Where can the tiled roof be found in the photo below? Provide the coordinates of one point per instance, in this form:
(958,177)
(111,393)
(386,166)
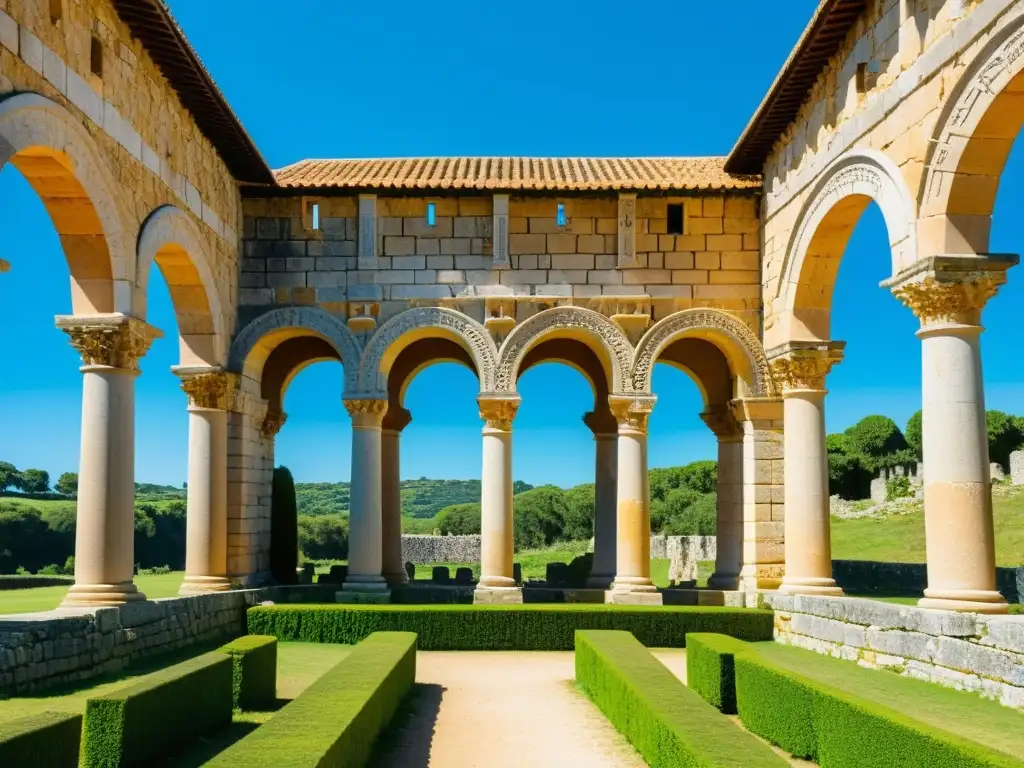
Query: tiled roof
(819,42)
(516,174)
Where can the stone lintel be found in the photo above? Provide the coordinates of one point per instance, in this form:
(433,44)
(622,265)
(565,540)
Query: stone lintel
(757,409)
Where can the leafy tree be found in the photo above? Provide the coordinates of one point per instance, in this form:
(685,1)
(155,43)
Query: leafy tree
(578,524)
(699,518)
(849,472)
(1004,437)
(23,538)
(459,519)
(875,437)
(67,484)
(324,537)
(539,516)
(673,507)
(914,436)
(34,481)
(9,476)
(284,527)
(701,476)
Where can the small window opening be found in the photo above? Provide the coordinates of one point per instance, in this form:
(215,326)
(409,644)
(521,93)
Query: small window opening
(862,77)
(431,214)
(56,10)
(561,214)
(675,218)
(96,57)
(316,215)
(867,75)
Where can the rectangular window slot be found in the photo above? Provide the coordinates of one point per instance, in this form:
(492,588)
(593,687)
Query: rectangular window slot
(316,215)
(96,57)
(56,11)
(675,219)
(561,214)
(431,215)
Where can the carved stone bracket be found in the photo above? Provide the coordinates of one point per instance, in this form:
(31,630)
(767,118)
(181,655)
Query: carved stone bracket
(396,419)
(631,412)
(601,422)
(272,424)
(723,423)
(803,366)
(499,316)
(366,412)
(114,340)
(362,316)
(498,412)
(212,389)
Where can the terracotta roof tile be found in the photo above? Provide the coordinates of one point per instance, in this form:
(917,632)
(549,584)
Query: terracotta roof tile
(517,174)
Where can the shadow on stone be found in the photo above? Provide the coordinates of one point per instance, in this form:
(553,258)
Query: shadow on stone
(406,741)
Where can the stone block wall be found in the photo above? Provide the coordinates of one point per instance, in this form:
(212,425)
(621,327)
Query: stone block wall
(250,484)
(427,549)
(967,651)
(867,577)
(1017,467)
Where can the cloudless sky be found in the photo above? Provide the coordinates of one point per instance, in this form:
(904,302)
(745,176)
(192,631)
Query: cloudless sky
(340,79)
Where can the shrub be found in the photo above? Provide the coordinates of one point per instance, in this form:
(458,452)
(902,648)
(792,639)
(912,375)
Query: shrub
(254,671)
(45,740)
(875,437)
(27,581)
(898,488)
(459,519)
(667,723)
(710,668)
(324,537)
(532,627)
(776,707)
(338,718)
(167,709)
(284,527)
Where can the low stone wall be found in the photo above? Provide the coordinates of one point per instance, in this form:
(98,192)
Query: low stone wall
(426,549)
(960,650)
(868,577)
(44,649)
(684,552)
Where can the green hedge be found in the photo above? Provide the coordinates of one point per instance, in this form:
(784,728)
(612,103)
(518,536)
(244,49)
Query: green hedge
(536,627)
(840,730)
(167,709)
(336,721)
(254,671)
(46,740)
(709,668)
(668,724)
(17,581)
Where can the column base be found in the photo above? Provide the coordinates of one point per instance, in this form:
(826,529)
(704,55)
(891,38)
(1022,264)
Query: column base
(496,582)
(98,595)
(724,581)
(200,585)
(361,583)
(498,595)
(973,600)
(600,581)
(810,586)
(396,579)
(633,584)
(620,597)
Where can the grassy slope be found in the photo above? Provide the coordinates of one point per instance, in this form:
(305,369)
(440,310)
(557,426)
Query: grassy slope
(47,598)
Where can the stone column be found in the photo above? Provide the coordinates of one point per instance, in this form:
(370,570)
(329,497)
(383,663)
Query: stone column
(206,524)
(497,541)
(729,500)
(606,441)
(365,580)
(110,346)
(633,502)
(392,566)
(947,295)
(800,369)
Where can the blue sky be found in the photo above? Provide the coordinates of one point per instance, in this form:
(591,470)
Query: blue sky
(324,79)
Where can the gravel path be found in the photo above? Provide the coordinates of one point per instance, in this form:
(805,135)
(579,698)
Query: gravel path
(498,709)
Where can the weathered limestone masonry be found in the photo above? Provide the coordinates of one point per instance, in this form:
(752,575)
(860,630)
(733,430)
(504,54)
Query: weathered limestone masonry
(960,650)
(424,550)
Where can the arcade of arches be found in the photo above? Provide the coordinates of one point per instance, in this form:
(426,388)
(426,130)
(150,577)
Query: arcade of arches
(722,267)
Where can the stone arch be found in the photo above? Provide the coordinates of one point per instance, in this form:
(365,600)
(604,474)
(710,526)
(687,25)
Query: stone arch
(803,296)
(735,340)
(973,136)
(257,340)
(170,238)
(60,160)
(592,328)
(420,323)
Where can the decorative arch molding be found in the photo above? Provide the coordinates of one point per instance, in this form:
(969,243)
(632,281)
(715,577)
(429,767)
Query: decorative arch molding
(419,323)
(289,322)
(188,273)
(866,173)
(45,131)
(737,342)
(610,342)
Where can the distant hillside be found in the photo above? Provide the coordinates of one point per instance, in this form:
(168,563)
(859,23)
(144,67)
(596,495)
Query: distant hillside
(420,498)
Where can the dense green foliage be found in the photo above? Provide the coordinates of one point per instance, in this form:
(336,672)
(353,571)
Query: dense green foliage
(137,724)
(284,527)
(710,668)
(459,519)
(421,498)
(67,484)
(335,721)
(914,435)
(324,537)
(532,627)
(1005,435)
(46,740)
(254,671)
(667,723)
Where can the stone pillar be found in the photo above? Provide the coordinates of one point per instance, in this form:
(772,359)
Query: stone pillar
(110,346)
(365,519)
(392,566)
(206,524)
(497,541)
(800,370)
(606,441)
(947,295)
(729,500)
(633,498)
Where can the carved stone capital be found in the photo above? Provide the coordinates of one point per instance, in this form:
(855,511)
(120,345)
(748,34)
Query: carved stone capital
(366,412)
(272,424)
(212,389)
(498,412)
(114,340)
(396,419)
(601,422)
(803,367)
(631,412)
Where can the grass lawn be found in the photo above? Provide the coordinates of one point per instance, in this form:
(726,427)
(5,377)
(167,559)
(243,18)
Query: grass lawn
(48,598)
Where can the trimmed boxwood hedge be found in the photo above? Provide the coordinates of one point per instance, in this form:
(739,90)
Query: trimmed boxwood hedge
(45,740)
(335,721)
(839,730)
(709,668)
(537,627)
(254,671)
(17,581)
(167,709)
(668,724)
